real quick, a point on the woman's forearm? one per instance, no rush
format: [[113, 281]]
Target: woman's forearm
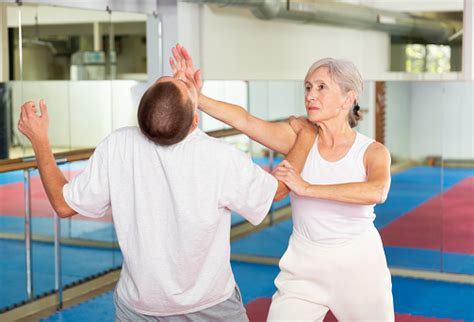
[[277, 136], [231, 114], [363, 193]]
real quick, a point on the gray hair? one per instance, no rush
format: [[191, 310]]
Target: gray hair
[[345, 74]]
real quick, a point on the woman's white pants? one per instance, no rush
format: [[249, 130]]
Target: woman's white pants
[[352, 279]]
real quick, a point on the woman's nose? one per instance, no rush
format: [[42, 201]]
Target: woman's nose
[[310, 96]]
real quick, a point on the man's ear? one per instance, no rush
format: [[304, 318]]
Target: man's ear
[[195, 122]]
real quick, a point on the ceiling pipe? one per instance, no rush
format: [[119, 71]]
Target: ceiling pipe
[[348, 15]]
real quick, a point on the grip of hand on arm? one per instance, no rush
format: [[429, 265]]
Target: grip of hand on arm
[[372, 191], [297, 157]]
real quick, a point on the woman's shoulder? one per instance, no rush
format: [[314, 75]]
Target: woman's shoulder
[[377, 150]]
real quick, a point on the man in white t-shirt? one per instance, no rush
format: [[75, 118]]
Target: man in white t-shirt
[[171, 189]]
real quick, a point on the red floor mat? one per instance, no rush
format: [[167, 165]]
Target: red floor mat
[[12, 201], [445, 223], [257, 311]]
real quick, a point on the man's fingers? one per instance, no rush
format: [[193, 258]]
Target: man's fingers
[[21, 119], [24, 113], [27, 105], [43, 108], [29, 109]]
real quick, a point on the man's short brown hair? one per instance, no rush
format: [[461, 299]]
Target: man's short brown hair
[[164, 115]]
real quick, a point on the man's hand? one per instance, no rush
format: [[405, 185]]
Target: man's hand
[[34, 127], [183, 62], [301, 123]]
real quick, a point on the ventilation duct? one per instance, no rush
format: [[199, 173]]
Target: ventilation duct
[[348, 15]]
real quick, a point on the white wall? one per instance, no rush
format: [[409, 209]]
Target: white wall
[[458, 120], [413, 6], [430, 119], [3, 43], [467, 38], [274, 100], [367, 103], [236, 45], [82, 113], [398, 121], [234, 92]]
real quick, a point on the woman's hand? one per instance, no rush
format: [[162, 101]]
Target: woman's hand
[[183, 62], [287, 174]]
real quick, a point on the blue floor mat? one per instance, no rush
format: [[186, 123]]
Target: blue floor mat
[[430, 260], [411, 296], [410, 188], [70, 228], [77, 264], [273, 242], [237, 219]]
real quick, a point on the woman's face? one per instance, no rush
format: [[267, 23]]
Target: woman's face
[[324, 99]]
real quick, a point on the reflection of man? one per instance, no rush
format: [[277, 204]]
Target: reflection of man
[[171, 188]]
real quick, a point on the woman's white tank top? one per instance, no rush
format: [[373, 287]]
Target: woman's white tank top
[[326, 221]]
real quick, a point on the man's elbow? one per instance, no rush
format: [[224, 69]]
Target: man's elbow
[[282, 191], [279, 196], [65, 212]]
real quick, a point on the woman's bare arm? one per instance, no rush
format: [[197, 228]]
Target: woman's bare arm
[[373, 191], [277, 136]]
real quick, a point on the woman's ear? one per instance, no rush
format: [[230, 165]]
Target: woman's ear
[[350, 100]]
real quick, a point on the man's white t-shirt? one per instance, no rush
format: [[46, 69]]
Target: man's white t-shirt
[[171, 208]]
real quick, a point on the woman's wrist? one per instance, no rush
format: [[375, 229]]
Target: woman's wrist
[[203, 101], [305, 190]]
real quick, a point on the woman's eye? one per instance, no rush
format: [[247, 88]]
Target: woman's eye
[[320, 87]]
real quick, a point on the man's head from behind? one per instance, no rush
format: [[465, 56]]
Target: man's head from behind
[[167, 111]]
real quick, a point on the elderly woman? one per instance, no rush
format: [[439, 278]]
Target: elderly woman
[[335, 258]]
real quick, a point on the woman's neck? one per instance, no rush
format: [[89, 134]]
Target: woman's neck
[[333, 134]]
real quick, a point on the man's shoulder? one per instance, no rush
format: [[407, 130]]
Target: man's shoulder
[[218, 144], [124, 133], [127, 130], [118, 138]]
